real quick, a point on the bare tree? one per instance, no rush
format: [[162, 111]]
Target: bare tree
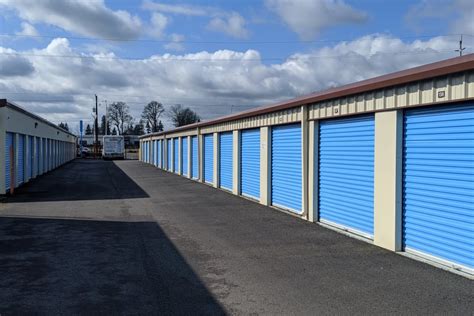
[[119, 115], [181, 116], [151, 115]]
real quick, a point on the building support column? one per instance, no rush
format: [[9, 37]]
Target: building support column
[[236, 162], [216, 144], [388, 179], [200, 156], [313, 170], [265, 167]]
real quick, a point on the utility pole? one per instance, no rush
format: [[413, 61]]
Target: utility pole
[[96, 128], [461, 48]]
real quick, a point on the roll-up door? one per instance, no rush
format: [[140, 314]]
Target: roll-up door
[[194, 157], [9, 148], [158, 163], [209, 158], [44, 167], [31, 154], [225, 160], [346, 173], [176, 155], [286, 167], [152, 152], [438, 179], [38, 156], [250, 163], [184, 156], [21, 160], [156, 151], [168, 155]]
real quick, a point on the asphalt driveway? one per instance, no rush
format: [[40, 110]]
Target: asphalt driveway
[[95, 237]]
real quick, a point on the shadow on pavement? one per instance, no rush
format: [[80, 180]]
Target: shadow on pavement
[[58, 266], [81, 179]]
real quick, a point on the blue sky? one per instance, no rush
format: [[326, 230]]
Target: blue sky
[[213, 56]]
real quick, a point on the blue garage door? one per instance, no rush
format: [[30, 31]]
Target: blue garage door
[[208, 158], [286, 167], [157, 152], [21, 160], [176, 155], [184, 156], [438, 203], [194, 157], [168, 155], [32, 156], [160, 155], [346, 173], [38, 156], [9, 145], [44, 167], [250, 163], [152, 152], [225, 160]]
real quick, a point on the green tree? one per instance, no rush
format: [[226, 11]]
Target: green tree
[[103, 123], [114, 131], [119, 116], [181, 116], [151, 114], [160, 127], [88, 130]]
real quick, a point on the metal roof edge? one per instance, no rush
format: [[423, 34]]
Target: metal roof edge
[[16, 107]]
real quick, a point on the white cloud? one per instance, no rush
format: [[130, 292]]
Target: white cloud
[[158, 24], [176, 42], [90, 18], [233, 25], [308, 18], [27, 30], [228, 22], [209, 82], [456, 15]]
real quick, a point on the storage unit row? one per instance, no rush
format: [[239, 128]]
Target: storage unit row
[[402, 178]]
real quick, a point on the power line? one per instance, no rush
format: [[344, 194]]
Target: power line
[[223, 59], [111, 39]]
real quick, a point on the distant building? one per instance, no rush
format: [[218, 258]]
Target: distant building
[[130, 140]]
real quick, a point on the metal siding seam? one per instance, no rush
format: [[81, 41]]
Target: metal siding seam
[[346, 173], [438, 179], [225, 160], [286, 166], [208, 158], [184, 156], [194, 159], [21, 160], [250, 163], [8, 143]]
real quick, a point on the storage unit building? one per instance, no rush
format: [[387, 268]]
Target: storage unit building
[[25, 136], [389, 160]]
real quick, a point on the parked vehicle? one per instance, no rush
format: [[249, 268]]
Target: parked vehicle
[[113, 147]]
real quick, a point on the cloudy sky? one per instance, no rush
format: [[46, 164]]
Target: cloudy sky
[[215, 57]]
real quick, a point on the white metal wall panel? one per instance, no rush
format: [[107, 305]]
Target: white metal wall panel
[[195, 157], [346, 173], [286, 168], [225, 160], [438, 200], [250, 163], [20, 173], [209, 158], [9, 144], [176, 155], [184, 156]]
